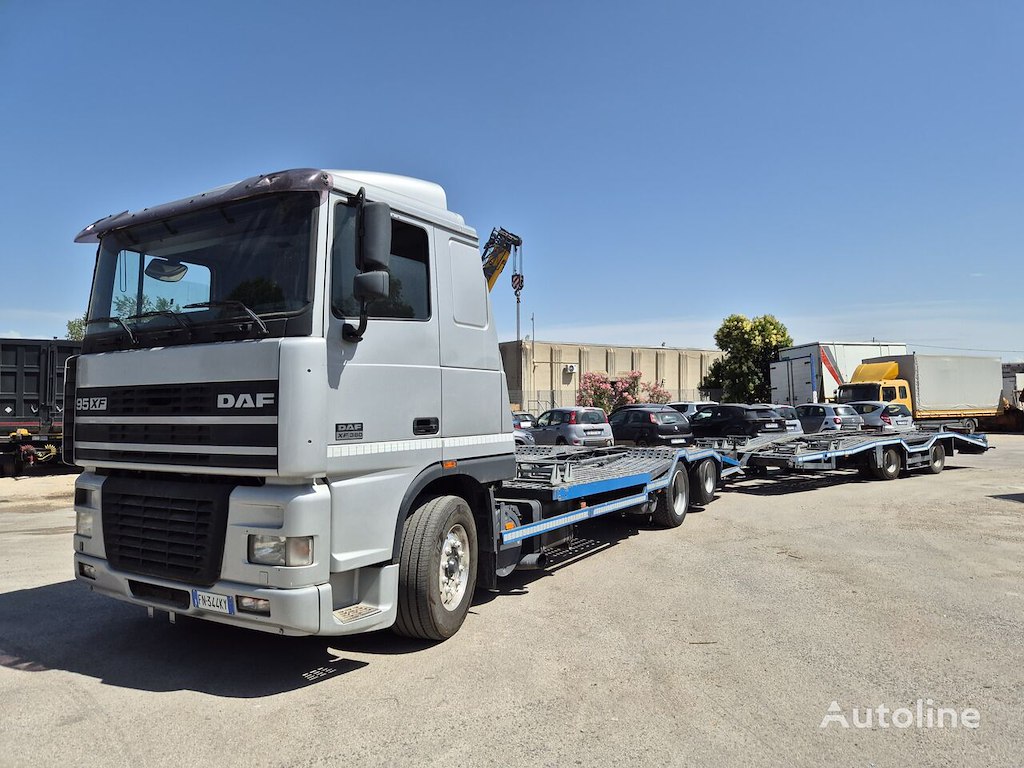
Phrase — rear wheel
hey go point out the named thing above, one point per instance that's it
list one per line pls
(971, 426)
(437, 569)
(704, 481)
(673, 501)
(937, 459)
(889, 468)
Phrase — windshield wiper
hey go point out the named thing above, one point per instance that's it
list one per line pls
(238, 305)
(176, 316)
(120, 321)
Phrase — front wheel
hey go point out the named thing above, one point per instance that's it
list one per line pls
(674, 501)
(437, 569)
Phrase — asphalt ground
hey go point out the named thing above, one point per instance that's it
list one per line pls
(723, 642)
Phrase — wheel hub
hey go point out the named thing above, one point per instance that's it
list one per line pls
(454, 567)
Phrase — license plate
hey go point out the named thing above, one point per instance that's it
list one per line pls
(210, 601)
(592, 431)
(771, 426)
(677, 440)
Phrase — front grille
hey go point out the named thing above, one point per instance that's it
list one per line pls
(183, 433)
(195, 399)
(165, 528)
(225, 424)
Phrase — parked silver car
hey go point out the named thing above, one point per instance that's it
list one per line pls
(788, 412)
(690, 407)
(523, 437)
(887, 417)
(522, 419)
(823, 417)
(573, 426)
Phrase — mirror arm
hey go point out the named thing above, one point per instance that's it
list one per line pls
(350, 333)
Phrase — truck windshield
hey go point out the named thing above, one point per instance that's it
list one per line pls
(246, 256)
(850, 393)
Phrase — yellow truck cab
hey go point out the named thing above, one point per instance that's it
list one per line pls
(877, 381)
(933, 387)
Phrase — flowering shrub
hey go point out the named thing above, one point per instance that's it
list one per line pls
(655, 393)
(596, 390)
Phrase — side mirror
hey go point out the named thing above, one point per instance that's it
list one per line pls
(375, 237)
(366, 287)
(369, 286)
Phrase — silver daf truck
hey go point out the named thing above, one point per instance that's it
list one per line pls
(278, 377)
(291, 415)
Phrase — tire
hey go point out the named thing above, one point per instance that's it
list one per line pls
(674, 501)
(641, 443)
(561, 441)
(437, 569)
(866, 471)
(703, 481)
(889, 469)
(938, 459)
(971, 426)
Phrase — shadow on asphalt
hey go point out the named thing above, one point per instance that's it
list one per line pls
(1010, 497)
(782, 483)
(65, 626)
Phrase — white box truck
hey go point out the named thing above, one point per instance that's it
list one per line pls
(811, 373)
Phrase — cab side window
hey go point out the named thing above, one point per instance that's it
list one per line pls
(408, 267)
(903, 393)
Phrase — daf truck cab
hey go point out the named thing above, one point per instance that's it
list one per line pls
(290, 408)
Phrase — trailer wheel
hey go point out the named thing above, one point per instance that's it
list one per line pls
(704, 481)
(889, 469)
(437, 569)
(938, 459)
(673, 501)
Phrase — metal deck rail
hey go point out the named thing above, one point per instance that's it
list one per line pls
(823, 450)
(573, 475)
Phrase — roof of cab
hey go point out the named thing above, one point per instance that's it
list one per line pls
(423, 199)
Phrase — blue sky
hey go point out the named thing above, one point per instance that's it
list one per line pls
(856, 169)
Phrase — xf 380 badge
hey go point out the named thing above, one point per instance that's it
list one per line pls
(245, 400)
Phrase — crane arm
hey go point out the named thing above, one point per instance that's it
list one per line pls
(500, 245)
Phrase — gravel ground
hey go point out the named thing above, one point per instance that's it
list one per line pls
(723, 642)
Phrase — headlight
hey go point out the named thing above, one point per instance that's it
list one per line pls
(83, 523)
(280, 550)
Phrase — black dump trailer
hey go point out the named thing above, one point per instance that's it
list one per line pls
(32, 401)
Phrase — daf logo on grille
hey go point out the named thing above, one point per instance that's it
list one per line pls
(245, 400)
(91, 404)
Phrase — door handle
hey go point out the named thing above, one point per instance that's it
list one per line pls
(426, 426)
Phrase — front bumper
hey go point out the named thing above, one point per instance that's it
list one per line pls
(299, 611)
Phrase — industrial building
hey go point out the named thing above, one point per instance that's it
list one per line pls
(546, 374)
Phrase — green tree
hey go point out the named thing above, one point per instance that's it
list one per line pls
(76, 328)
(750, 346)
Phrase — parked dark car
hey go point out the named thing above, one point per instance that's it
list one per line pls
(728, 419)
(652, 424)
